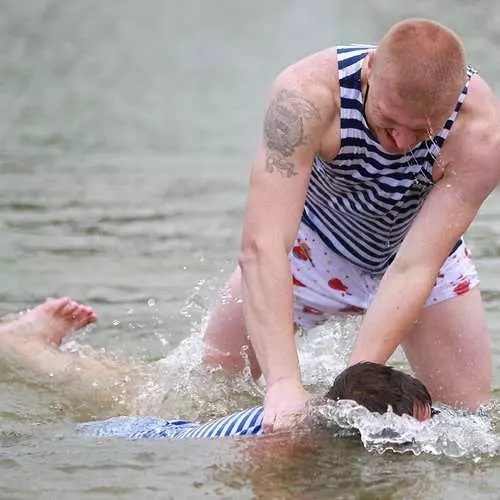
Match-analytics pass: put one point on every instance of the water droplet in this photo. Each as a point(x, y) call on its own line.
point(151, 302)
point(115, 322)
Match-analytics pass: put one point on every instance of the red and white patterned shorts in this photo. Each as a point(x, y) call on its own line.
point(327, 285)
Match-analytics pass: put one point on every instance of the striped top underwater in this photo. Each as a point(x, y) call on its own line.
point(243, 423)
point(362, 202)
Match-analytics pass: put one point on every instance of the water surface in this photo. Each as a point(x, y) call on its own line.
point(127, 134)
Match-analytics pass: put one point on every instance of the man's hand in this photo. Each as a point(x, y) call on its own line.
point(285, 400)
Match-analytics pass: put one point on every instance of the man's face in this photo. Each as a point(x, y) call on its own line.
point(397, 126)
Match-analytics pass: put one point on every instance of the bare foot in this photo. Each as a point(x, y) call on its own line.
point(52, 320)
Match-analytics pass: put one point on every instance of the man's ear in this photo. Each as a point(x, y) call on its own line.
point(370, 58)
point(422, 413)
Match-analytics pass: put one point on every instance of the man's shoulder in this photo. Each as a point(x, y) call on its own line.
point(473, 145)
point(478, 122)
point(323, 60)
point(313, 78)
point(315, 68)
point(316, 76)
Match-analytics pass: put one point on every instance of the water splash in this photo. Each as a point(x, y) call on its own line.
point(201, 392)
point(323, 351)
point(451, 433)
point(180, 386)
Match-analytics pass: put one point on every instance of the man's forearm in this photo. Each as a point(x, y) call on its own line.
point(267, 305)
point(391, 316)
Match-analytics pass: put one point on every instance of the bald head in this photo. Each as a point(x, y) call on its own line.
point(423, 61)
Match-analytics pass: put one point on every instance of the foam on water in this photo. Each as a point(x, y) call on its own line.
point(323, 354)
point(451, 433)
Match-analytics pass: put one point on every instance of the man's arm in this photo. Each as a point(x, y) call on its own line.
point(293, 128)
point(473, 172)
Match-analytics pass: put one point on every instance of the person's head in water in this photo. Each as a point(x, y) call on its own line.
point(377, 387)
point(412, 82)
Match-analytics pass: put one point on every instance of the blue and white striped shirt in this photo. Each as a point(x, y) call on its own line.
point(243, 423)
point(363, 202)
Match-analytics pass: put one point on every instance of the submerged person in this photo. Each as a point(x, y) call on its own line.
point(374, 386)
point(373, 163)
point(33, 339)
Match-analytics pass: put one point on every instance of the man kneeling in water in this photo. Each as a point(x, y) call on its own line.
point(374, 386)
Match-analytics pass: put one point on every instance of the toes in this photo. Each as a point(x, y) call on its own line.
point(92, 317)
point(55, 306)
point(89, 313)
point(89, 317)
point(87, 309)
point(69, 309)
point(80, 314)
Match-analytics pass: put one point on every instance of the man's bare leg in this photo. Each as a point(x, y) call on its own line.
point(449, 350)
point(225, 337)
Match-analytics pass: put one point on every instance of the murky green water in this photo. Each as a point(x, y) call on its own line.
point(127, 129)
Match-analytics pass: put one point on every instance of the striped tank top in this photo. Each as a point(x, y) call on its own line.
point(363, 202)
point(243, 423)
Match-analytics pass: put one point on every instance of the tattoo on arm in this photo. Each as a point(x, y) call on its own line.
point(284, 129)
point(284, 167)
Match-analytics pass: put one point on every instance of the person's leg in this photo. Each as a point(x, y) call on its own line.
point(7, 318)
point(449, 348)
point(324, 285)
point(32, 338)
point(226, 342)
point(50, 321)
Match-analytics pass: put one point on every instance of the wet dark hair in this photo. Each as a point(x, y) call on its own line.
point(377, 387)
